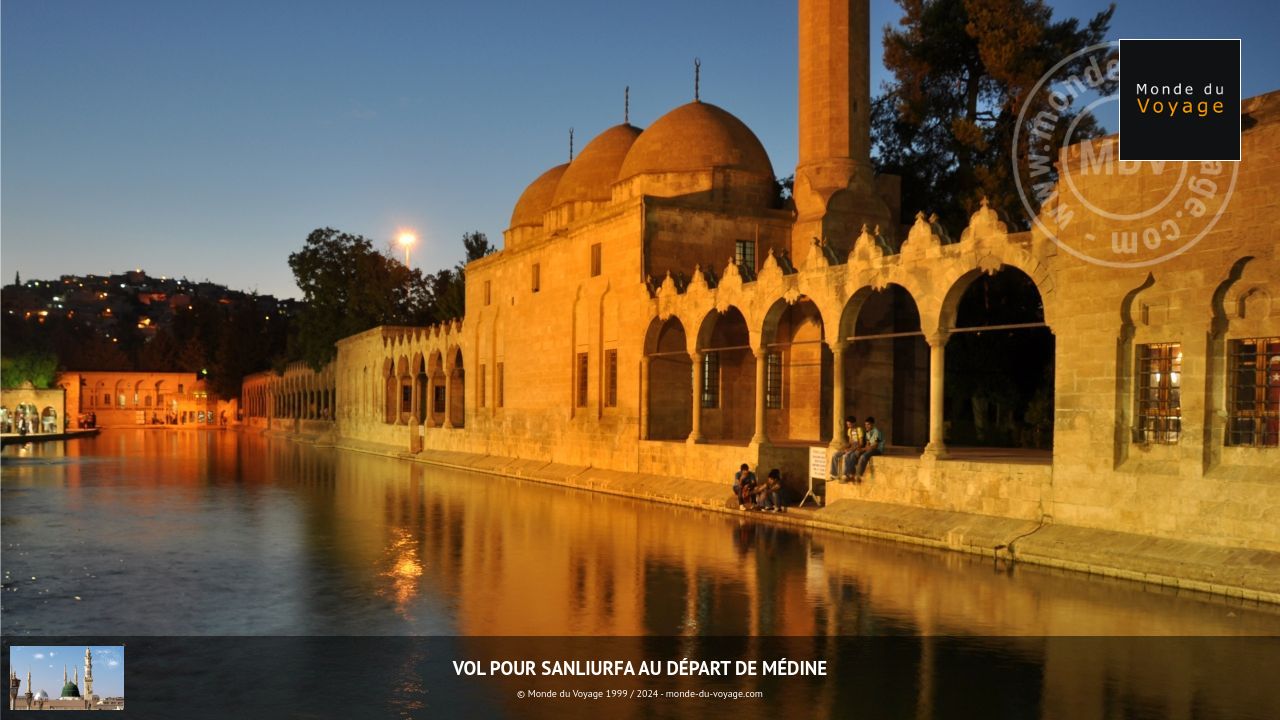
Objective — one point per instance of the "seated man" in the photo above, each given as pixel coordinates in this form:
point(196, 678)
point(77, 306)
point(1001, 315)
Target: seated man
point(742, 480)
point(769, 496)
point(849, 441)
point(872, 444)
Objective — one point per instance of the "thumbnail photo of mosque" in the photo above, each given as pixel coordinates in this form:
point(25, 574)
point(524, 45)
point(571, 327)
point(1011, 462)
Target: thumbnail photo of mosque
point(77, 690)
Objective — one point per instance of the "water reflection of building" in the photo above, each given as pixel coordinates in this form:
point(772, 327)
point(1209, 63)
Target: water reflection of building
point(69, 697)
point(514, 559)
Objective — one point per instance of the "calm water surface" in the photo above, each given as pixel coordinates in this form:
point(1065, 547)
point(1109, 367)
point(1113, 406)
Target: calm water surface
point(229, 547)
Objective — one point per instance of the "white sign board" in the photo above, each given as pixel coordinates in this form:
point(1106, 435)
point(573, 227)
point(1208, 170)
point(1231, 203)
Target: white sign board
point(818, 463)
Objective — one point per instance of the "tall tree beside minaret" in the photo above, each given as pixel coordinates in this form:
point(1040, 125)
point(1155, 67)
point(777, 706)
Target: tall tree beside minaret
point(961, 71)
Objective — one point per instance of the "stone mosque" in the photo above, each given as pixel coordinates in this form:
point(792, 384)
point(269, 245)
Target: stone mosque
point(69, 698)
point(657, 309)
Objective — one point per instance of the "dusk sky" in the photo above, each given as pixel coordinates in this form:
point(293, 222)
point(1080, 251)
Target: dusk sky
point(207, 139)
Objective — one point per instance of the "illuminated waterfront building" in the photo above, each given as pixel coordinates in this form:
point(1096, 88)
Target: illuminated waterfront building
point(658, 309)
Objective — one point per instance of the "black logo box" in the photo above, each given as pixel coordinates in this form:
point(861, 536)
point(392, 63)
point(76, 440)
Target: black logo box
point(1186, 69)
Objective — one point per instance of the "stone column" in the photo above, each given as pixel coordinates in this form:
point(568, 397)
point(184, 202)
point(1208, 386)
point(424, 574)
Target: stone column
point(837, 394)
point(760, 437)
point(448, 401)
point(695, 435)
point(415, 399)
point(937, 372)
point(644, 397)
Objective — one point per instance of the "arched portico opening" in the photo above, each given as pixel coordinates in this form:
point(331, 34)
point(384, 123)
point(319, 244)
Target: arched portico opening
point(404, 391)
point(797, 374)
point(886, 364)
point(419, 390)
point(436, 406)
point(669, 396)
point(457, 388)
point(999, 362)
point(728, 378)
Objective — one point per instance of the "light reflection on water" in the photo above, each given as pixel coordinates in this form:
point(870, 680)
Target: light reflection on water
point(216, 533)
point(219, 533)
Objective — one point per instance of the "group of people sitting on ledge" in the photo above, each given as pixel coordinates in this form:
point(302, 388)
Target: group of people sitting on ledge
point(859, 445)
point(754, 495)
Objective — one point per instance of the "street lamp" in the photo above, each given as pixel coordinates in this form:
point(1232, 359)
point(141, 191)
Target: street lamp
point(407, 239)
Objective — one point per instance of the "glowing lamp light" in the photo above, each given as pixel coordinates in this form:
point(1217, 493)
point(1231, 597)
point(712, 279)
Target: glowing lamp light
point(406, 240)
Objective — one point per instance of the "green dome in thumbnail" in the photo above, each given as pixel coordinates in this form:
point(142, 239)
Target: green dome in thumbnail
point(70, 690)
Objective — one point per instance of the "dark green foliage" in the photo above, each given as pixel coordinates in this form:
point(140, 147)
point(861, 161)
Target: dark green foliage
point(37, 368)
point(962, 70)
point(448, 285)
point(347, 288)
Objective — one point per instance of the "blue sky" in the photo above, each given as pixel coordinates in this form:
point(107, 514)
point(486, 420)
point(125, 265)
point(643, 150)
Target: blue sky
point(46, 662)
point(207, 139)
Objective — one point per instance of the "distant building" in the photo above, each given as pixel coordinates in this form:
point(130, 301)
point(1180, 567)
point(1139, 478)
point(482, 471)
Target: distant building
point(146, 398)
point(28, 410)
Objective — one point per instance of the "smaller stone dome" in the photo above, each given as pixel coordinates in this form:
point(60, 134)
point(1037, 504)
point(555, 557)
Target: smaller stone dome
point(696, 136)
point(536, 199)
point(42, 695)
point(590, 176)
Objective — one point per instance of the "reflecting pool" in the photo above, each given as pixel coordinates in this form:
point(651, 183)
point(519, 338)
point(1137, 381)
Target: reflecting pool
point(213, 552)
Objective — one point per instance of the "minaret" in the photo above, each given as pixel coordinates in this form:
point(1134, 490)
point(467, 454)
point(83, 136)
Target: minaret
point(835, 192)
point(14, 682)
point(88, 673)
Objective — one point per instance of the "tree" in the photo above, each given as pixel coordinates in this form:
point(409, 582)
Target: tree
point(37, 368)
point(449, 285)
point(347, 288)
point(962, 70)
point(477, 245)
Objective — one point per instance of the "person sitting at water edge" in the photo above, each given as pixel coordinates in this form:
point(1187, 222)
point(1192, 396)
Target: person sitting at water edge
point(848, 442)
point(872, 444)
point(739, 477)
point(747, 487)
point(769, 496)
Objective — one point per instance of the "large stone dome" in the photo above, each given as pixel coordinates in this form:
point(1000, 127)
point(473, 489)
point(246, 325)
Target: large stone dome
point(536, 199)
point(591, 175)
point(693, 137)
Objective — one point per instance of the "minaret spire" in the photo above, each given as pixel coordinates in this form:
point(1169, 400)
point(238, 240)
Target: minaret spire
point(570, 144)
point(697, 80)
point(834, 162)
point(88, 673)
point(626, 105)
